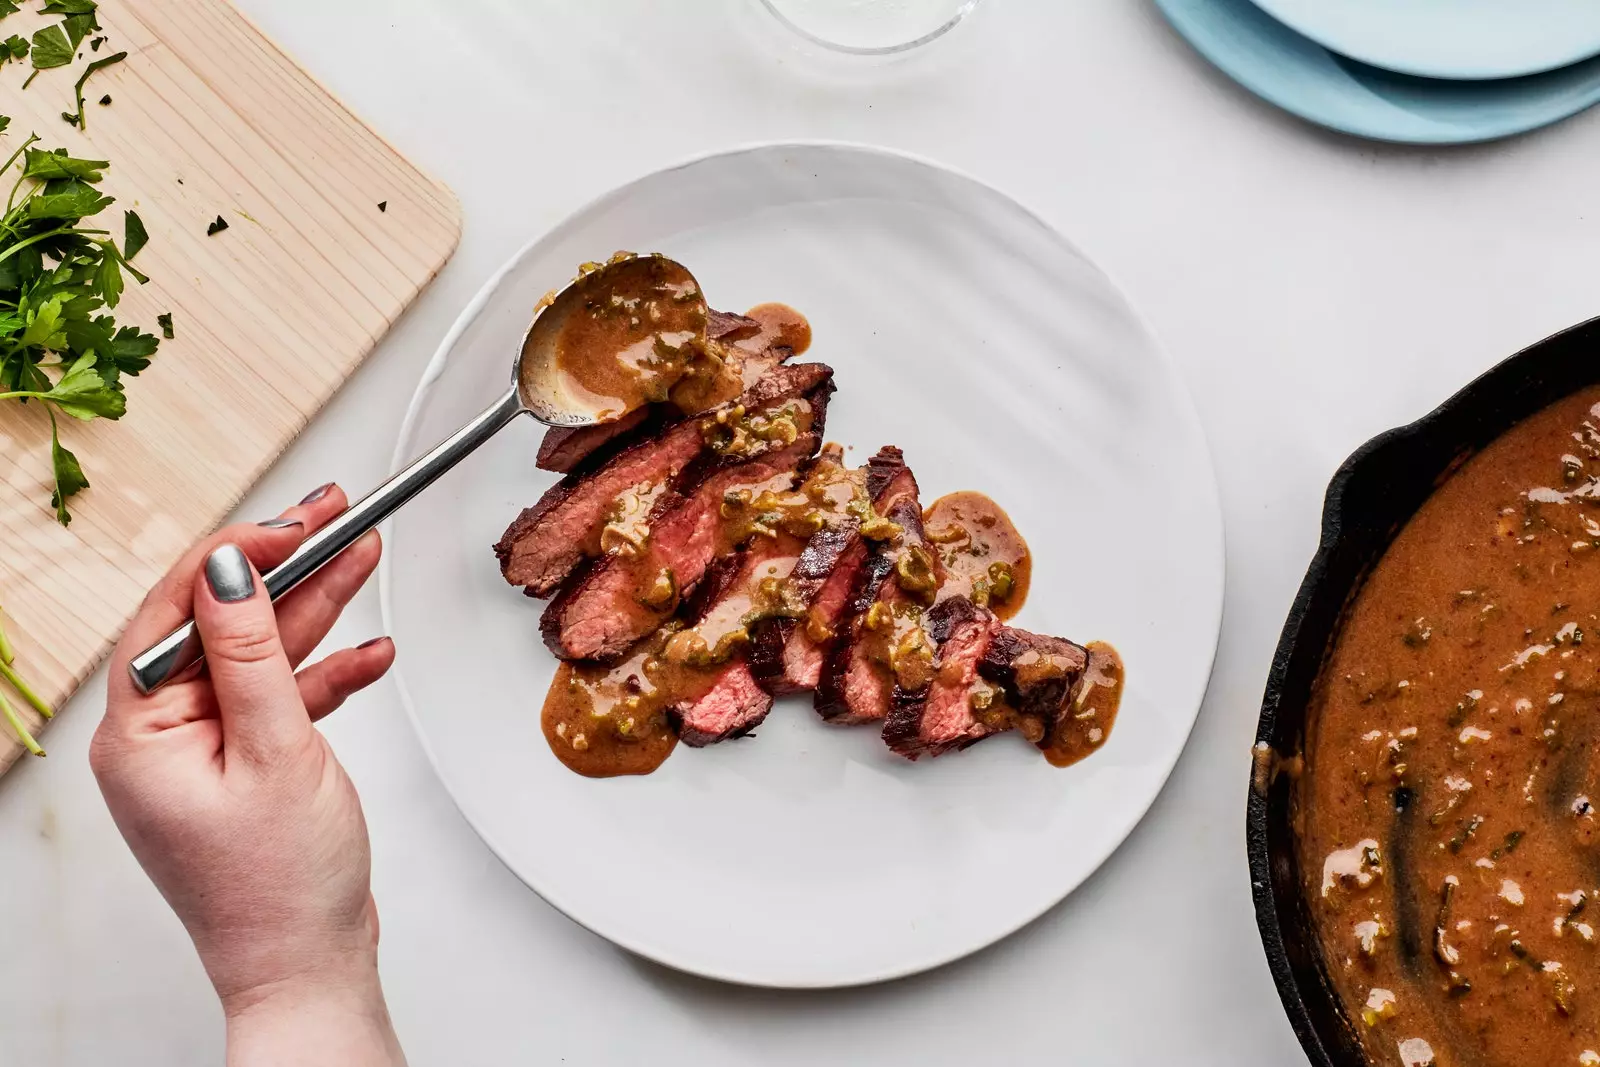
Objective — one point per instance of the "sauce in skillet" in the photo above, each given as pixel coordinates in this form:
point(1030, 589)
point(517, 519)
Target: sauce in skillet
point(1449, 841)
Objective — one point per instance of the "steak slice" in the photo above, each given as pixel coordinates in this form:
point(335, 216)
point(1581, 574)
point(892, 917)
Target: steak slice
point(547, 541)
point(942, 717)
point(733, 707)
point(726, 326)
point(728, 599)
point(1038, 674)
point(567, 448)
point(788, 655)
point(622, 598)
point(857, 683)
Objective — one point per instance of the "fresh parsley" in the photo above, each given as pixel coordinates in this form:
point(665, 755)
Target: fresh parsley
point(51, 48)
point(13, 47)
point(59, 275)
point(8, 7)
point(165, 322)
point(134, 236)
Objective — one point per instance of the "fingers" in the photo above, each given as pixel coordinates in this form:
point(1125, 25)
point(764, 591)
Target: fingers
point(267, 545)
point(171, 600)
point(306, 614)
point(257, 699)
point(327, 684)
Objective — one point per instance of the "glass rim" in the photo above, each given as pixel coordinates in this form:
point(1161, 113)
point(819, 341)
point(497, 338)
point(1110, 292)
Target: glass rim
point(961, 12)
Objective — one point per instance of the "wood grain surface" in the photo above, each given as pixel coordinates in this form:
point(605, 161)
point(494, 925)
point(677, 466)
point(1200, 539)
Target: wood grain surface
point(207, 118)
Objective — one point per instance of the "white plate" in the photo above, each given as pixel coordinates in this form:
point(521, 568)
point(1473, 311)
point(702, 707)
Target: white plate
point(963, 329)
point(1468, 39)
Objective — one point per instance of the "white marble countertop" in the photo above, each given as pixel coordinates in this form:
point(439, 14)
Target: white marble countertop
point(1315, 290)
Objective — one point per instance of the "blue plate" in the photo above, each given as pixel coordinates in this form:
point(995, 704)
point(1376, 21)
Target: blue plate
point(1476, 39)
point(1300, 76)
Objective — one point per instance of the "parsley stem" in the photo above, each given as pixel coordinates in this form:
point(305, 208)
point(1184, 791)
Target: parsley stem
point(11, 716)
point(8, 654)
point(20, 245)
point(32, 140)
point(9, 674)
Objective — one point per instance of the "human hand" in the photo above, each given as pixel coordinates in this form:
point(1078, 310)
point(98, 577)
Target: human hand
point(236, 806)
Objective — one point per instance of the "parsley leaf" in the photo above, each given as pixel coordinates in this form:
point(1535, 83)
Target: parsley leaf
point(108, 279)
point(84, 394)
point(13, 47)
point(165, 322)
point(68, 199)
point(48, 166)
point(134, 235)
point(5, 120)
point(8, 7)
point(69, 7)
point(78, 27)
point(68, 474)
point(51, 48)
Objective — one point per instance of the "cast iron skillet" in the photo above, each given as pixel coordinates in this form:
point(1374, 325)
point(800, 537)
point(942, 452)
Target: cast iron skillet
point(1371, 497)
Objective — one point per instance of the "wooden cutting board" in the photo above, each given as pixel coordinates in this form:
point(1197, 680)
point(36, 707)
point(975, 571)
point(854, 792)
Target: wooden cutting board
point(207, 118)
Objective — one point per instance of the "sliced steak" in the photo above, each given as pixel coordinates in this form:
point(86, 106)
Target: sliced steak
point(726, 326)
point(942, 717)
point(788, 655)
point(567, 449)
point(733, 707)
point(622, 598)
point(547, 541)
point(728, 603)
point(1038, 675)
point(857, 683)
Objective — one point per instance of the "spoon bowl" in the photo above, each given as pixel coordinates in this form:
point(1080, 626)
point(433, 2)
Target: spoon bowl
point(610, 341)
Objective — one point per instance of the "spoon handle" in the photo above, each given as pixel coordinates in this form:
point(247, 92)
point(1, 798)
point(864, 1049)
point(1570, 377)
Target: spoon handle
point(180, 649)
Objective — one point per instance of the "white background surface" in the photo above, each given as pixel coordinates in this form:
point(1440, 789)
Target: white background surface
point(1314, 289)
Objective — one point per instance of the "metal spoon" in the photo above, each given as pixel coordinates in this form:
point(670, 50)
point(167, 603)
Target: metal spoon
point(538, 388)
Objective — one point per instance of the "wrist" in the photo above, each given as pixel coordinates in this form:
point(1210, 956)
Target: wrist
point(337, 1017)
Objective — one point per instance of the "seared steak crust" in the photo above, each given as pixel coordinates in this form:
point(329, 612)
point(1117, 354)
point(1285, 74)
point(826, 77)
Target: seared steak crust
point(1038, 674)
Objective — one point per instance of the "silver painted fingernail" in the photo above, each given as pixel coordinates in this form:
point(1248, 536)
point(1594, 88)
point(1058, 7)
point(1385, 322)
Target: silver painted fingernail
point(280, 524)
point(317, 494)
point(228, 575)
point(373, 641)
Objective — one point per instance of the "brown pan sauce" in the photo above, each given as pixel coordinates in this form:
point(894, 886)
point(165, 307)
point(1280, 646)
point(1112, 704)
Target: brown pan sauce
point(1449, 842)
point(984, 557)
point(639, 335)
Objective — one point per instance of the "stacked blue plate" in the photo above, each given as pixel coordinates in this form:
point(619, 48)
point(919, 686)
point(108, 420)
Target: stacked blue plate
point(1414, 71)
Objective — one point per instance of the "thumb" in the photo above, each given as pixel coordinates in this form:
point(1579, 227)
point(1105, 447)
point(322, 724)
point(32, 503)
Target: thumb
point(257, 698)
